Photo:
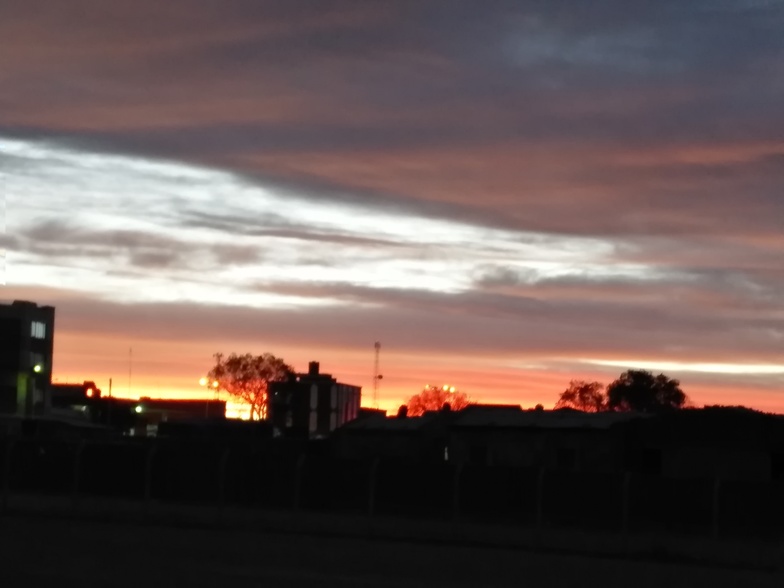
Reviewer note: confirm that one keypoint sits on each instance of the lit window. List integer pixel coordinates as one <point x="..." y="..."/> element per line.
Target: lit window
<point x="38" y="330"/>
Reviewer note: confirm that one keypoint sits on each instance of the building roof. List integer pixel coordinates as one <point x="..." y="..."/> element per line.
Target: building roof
<point x="731" y="427"/>
<point x="492" y="417"/>
<point x="24" y="305"/>
<point x="392" y="424"/>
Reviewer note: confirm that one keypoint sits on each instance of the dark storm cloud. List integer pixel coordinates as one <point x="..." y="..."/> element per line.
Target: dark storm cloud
<point x="389" y="101"/>
<point x="306" y="92"/>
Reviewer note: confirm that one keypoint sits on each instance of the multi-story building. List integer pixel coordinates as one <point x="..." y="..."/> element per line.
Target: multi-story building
<point x="312" y="404"/>
<point x="26" y="346"/>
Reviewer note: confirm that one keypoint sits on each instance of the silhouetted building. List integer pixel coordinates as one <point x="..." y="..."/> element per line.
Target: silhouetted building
<point x="365" y="412"/>
<point x="492" y="435"/>
<point x="730" y="443"/>
<point x="85" y="402"/>
<point x="26" y="345"/>
<point x="151" y="412"/>
<point x="565" y="440"/>
<point x="246" y="432"/>
<point x="724" y="443"/>
<point x="416" y="439"/>
<point x="312" y="404"/>
<point x="63" y="394"/>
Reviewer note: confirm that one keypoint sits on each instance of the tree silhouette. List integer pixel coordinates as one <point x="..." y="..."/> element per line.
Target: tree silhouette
<point x="584" y="396"/>
<point x="247" y="378"/>
<point x="640" y="390"/>
<point x="435" y="398"/>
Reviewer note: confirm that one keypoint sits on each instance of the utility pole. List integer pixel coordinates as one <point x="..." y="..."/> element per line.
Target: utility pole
<point x="130" y="369"/>
<point x="376" y="376"/>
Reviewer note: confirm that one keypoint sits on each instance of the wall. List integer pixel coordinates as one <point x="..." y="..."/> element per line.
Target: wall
<point x="280" y="477"/>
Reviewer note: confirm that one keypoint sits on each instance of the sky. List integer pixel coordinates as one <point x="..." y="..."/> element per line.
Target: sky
<point x="506" y="194"/>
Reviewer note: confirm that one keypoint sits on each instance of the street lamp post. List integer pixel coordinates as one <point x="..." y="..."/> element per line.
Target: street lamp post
<point x="31" y="382"/>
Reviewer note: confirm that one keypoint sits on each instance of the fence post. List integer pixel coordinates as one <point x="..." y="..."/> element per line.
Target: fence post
<point x="76" y="475"/>
<point x="252" y="486"/>
<point x="716" y="506"/>
<point x="298" y="480"/>
<point x="625" y="499"/>
<point x="540" y="503"/>
<point x="456" y="490"/>
<point x="7" y="461"/>
<point x="148" y="474"/>
<point x="222" y="476"/>
<point x="373" y="474"/>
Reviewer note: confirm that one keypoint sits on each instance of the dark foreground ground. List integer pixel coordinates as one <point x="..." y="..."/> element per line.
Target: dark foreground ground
<point x="36" y="551"/>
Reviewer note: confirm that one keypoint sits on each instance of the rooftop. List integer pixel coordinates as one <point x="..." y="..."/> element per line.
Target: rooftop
<point x="481" y="416"/>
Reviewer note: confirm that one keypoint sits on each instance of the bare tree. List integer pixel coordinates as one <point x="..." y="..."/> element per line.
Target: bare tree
<point x="584" y="396"/>
<point x="247" y="378"/>
<point x="436" y="398"/>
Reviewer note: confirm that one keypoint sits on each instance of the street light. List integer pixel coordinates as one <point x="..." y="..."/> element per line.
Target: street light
<point x="30" y="393"/>
<point x="215" y="385"/>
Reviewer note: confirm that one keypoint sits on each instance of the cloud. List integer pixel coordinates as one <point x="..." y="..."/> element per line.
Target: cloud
<point x="507" y="352"/>
<point x="551" y="179"/>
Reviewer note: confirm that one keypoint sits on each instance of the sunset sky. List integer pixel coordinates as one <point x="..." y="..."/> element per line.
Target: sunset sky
<point x="507" y="194"/>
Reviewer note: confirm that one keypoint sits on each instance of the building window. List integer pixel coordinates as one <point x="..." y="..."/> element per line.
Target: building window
<point x="38" y="330"/>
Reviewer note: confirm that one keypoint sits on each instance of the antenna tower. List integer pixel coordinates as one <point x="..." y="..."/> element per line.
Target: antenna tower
<point x="376" y="376"/>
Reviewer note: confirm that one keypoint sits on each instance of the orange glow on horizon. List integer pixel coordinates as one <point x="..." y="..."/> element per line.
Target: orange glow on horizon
<point x="544" y="389"/>
<point x="165" y="369"/>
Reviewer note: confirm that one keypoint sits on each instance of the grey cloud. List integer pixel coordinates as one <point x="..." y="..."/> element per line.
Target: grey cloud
<point x="140" y="250"/>
<point x="554" y="335"/>
<point x="277" y="226"/>
<point x="430" y="325"/>
<point x="74" y="234"/>
<point x="438" y="79"/>
<point x="8" y="241"/>
<point x="155" y="259"/>
<point x="584" y="323"/>
<point x="236" y="255"/>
